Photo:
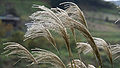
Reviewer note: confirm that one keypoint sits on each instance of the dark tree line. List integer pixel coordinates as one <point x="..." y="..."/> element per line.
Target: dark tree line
<point x="92" y="3"/>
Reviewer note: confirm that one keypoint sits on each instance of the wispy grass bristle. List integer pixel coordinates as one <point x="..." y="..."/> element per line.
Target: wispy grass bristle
<point x="84" y="48"/>
<point x="44" y="56"/>
<point x="115" y="49"/>
<point x="78" y="63"/>
<point x="13" y="48"/>
<point x="91" y="66"/>
<point x="102" y="44"/>
<point x="74" y="12"/>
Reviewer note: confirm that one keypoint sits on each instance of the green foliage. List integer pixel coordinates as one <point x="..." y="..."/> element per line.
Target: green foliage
<point x="22" y="7"/>
<point x="5" y="28"/>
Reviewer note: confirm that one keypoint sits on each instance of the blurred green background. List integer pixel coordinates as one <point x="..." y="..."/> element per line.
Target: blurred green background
<point x="101" y="16"/>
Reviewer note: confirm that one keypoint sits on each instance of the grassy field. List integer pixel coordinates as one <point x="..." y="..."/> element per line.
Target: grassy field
<point x="101" y="28"/>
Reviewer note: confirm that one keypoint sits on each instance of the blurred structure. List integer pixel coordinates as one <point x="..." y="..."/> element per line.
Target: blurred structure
<point x="10" y="19"/>
<point x="10" y="16"/>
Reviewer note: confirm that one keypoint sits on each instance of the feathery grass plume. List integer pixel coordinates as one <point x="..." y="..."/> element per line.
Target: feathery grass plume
<point x="89" y="38"/>
<point x="74" y="12"/>
<point x="90" y="66"/>
<point x="63" y="16"/>
<point x="45" y="18"/>
<point x="115" y="49"/>
<point x="17" y="49"/>
<point x="102" y="44"/>
<point x="84" y="48"/>
<point x="36" y="30"/>
<point x="44" y="56"/>
<point x="53" y="19"/>
<point x="75" y="24"/>
<point x="79" y="64"/>
<point x="51" y="13"/>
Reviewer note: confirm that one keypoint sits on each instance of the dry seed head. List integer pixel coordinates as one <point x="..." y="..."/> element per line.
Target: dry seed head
<point x="78" y="63"/>
<point x="58" y="24"/>
<point x="102" y="44"/>
<point x="82" y="27"/>
<point x="44" y="56"/>
<point x="115" y="49"/>
<point x="17" y="49"/>
<point x="89" y="38"/>
<point x="74" y="12"/>
<point x="52" y="19"/>
<point x="90" y="66"/>
<point x="63" y="16"/>
<point x="36" y="30"/>
<point x="45" y="19"/>
<point x="84" y="48"/>
<point x="51" y="13"/>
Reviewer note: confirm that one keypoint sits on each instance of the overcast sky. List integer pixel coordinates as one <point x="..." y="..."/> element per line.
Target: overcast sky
<point x="112" y="0"/>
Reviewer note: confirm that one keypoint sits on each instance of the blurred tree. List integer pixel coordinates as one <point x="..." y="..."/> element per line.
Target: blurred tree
<point x="17" y="36"/>
<point x="10" y="9"/>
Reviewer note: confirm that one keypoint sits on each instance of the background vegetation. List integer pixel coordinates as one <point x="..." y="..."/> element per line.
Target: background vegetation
<point x="100" y="17"/>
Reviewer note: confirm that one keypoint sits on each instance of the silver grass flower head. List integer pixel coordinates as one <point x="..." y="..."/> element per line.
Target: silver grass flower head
<point x="17" y="49"/>
<point x="52" y="22"/>
<point x="91" y="66"/>
<point x="51" y="13"/>
<point x="35" y="30"/>
<point x="71" y="8"/>
<point x="64" y="17"/>
<point x="85" y="32"/>
<point x="103" y="45"/>
<point x="58" y="27"/>
<point x="115" y="49"/>
<point x="82" y="27"/>
<point x="100" y="42"/>
<point x="78" y="63"/>
<point x="43" y="21"/>
<point x="44" y="56"/>
<point x="74" y="12"/>
<point x="44" y="18"/>
<point x="84" y="48"/>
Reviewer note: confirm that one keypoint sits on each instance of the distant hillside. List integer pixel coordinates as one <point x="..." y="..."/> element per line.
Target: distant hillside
<point x="116" y="3"/>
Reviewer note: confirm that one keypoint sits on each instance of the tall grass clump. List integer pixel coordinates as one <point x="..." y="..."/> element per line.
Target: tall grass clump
<point x="59" y="20"/>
